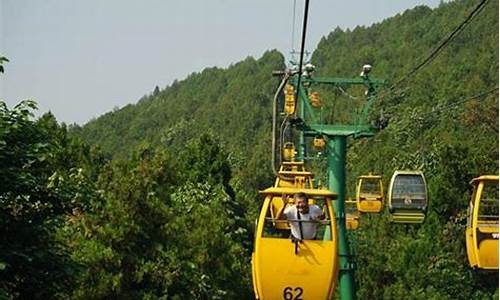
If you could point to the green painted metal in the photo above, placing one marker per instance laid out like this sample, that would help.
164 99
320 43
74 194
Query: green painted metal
340 81
308 107
336 149
343 130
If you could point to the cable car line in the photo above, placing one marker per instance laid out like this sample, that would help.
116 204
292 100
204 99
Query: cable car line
346 93
293 26
454 33
438 49
463 100
302 46
275 115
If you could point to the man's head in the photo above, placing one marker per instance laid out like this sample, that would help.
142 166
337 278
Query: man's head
301 202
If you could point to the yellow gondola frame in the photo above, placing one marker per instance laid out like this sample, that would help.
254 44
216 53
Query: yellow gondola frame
482 235
369 202
309 272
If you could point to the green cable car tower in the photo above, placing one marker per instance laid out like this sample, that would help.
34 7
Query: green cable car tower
309 122
305 116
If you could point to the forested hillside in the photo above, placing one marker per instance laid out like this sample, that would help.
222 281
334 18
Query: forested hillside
232 103
437 126
157 200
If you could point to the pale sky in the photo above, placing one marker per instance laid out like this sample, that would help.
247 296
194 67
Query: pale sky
81 58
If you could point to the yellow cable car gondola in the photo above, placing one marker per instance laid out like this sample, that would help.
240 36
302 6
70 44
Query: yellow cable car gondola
407 199
351 215
286 268
370 193
481 234
289 152
319 142
294 174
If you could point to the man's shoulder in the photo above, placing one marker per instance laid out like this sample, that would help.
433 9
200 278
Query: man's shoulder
289 209
316 209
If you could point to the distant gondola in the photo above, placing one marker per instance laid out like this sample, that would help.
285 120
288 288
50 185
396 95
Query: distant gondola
407 199
369 193
351 215
481 234
294 174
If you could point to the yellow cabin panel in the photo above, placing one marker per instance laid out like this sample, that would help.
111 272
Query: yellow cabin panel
471 253
310 273
370 205
487 249
488 254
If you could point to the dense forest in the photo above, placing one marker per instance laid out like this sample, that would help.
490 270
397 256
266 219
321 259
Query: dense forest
157 200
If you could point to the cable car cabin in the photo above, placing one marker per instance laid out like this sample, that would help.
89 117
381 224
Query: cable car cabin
289 152
288 268
294 174
351 215
481 235
408 197
370 194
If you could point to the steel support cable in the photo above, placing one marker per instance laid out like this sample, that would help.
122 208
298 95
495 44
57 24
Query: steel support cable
438 49
283 127
346 94
275 112
454 33
302 46
280 88
293 25
462 100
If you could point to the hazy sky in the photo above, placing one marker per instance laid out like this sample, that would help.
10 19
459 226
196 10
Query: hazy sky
82 58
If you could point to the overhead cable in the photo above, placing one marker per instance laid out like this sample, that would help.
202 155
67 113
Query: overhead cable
463 100
304 30
436 51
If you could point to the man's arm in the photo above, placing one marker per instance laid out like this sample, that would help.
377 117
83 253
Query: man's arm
283 211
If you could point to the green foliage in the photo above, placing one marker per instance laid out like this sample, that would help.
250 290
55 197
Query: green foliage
32 262
151 233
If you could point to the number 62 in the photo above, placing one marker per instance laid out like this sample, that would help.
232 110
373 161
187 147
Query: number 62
288 293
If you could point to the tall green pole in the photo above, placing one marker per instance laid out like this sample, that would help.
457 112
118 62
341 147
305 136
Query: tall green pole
336 183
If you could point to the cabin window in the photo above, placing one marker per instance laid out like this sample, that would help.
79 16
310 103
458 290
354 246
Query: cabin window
409 190
488 207
274 228
370 186
410 185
